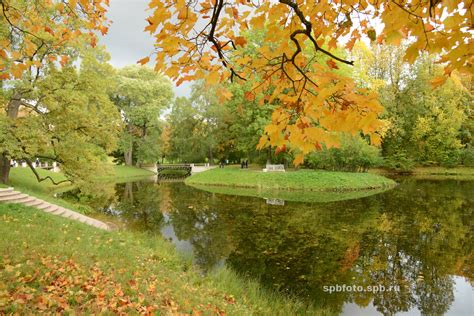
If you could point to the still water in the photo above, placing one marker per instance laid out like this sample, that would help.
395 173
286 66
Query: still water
416 239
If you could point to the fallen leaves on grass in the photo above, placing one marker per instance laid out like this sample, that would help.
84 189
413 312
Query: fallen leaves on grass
53 285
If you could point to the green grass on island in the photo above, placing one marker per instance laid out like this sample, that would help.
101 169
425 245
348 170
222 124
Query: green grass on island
50 264
303 180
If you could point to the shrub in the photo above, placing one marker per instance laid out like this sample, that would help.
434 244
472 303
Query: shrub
354 155
399 162
467 156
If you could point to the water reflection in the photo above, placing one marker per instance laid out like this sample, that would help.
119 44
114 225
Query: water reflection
418 236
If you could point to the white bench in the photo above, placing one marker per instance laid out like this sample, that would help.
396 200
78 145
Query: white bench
271 168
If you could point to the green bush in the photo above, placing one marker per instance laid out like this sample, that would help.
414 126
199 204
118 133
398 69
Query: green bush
451 158
354 155
467 156
399 162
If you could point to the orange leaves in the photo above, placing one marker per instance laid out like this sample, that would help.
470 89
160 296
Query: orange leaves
225 94
103 29
48 31
332 64
394 37
64 60
249 96
240 41
299 159
182 13
63 286
213 78
17 70
186 49
438 81
143 61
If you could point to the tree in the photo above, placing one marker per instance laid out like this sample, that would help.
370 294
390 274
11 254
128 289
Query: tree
248 123
141 96
35 38
423 125
436 134
189 132
66 117
201 39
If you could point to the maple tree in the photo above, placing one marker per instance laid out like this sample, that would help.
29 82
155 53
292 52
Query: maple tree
298 59
33 33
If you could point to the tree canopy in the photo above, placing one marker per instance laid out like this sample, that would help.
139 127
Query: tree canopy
66 117
37 39
298 55
141 95
34 33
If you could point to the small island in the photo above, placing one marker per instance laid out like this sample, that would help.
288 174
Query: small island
300 180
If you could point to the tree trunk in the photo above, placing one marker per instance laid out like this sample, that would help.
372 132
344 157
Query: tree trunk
269 156
128 157
128 192
211 158
12 113
4 168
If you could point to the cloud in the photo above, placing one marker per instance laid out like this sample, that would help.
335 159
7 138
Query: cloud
126 40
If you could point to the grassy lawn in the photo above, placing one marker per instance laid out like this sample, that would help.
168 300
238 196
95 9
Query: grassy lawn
306 180
127 172
50 264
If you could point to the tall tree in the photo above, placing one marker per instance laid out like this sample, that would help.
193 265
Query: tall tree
66 117
424 125
200 39
141 96
186 138
36 37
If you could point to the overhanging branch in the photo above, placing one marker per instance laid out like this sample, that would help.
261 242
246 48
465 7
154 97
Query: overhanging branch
39 178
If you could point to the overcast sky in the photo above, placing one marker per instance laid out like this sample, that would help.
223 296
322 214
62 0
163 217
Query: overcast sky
126 41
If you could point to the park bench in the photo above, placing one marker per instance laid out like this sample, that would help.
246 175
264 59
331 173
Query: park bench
271 168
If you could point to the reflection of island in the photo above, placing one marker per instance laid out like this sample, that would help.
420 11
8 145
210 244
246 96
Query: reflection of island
291 195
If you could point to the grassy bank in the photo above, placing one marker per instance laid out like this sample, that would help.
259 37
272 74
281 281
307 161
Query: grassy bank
305 180
435 173
23 179
125 173
53 265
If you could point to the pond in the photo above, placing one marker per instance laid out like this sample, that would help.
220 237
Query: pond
416 241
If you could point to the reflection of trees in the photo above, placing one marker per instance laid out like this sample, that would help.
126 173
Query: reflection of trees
198 218
415 236
97 195
421 239
139 205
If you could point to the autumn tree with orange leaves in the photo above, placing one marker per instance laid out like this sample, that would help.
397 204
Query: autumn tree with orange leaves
298 61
